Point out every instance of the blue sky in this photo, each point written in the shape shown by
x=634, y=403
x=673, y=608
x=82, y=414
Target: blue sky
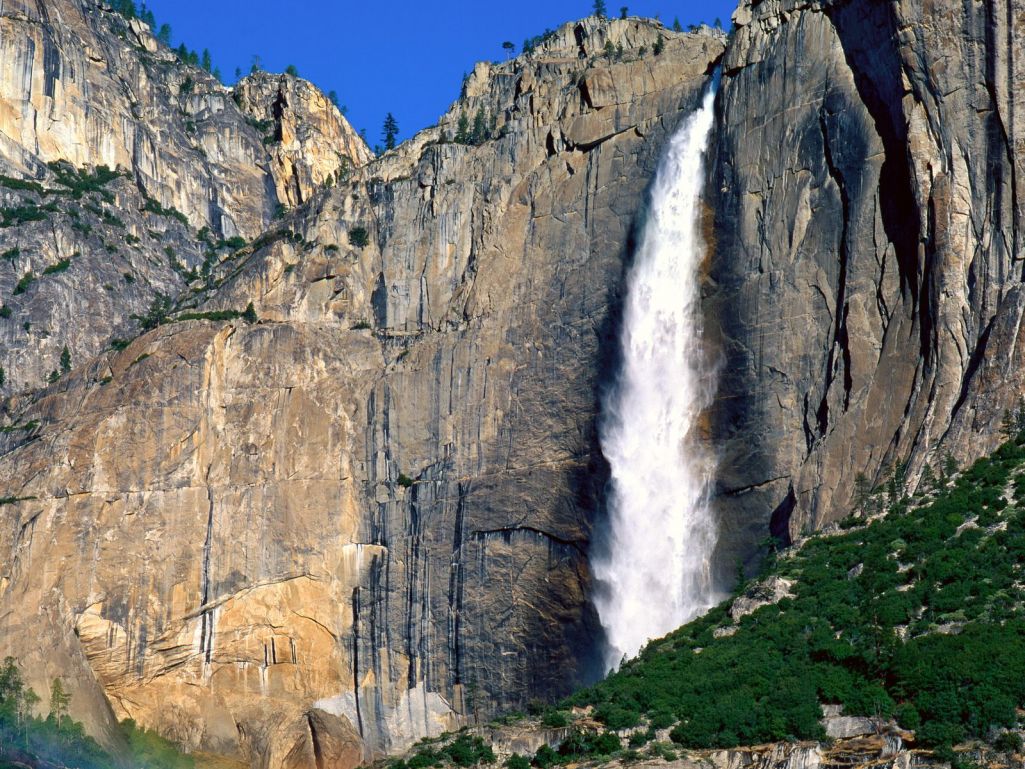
x=404, y=57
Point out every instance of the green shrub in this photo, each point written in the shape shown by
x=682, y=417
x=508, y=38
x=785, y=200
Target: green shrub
x=1008, y=742
x=21, y=184
x=24, y=283
x=516, y=761
x=466, y=750
x=5, y=311
x=404, y=481
x=60, y=266
x=545, y=757
x=10, y=217
x=359, y=237
x=82, y=182
x=554, y=719
x=424, y=758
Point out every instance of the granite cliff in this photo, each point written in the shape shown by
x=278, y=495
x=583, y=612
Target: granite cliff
x=867, y=277
x=364, y=518
x=360, y=513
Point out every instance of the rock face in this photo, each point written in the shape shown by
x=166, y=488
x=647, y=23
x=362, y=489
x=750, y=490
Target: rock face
x=365, y=518
x=866, y=283
x=80, y=83
x=310, y=141
x=83, y=87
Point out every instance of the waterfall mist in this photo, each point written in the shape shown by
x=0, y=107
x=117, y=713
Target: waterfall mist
x=655, y=571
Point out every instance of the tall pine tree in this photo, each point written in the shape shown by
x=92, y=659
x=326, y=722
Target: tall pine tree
x=390, y=131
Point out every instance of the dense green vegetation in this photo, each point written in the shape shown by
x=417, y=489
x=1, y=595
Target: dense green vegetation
x=80, y=182
x=916, y=615
x=465, y=750
x=27, y=738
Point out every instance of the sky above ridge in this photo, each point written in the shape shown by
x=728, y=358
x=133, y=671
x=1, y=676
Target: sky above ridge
x=402, y=57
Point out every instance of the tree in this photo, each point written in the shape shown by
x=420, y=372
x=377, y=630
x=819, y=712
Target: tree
x=676, y=25
x=479, y=132
x=207, y=61
x=164, y=34
x=928, y=478
x=659, y=46
x=249, y=316
x=462, y=129
x=3, y=376
x=390, y=131
x=65, y=360
x=717, y=23
x=238, y=74
x=257, y=65
x=332, y=96
x=510, y=48
x=862, y=491
x=29, y=700
x=599, y=8
x=949, y=465
x=1008, y=427
x=292, y=70
x=624, y=12
x=59, y=702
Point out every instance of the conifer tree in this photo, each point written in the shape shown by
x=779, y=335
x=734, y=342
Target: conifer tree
x=599, y=8
x=59, y=702
x=479, y=132
x=462, y=129
x=390, y=131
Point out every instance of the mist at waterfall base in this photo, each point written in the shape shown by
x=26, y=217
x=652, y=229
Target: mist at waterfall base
x=654, y=573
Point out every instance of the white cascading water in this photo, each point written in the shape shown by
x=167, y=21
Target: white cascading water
x=655, y=571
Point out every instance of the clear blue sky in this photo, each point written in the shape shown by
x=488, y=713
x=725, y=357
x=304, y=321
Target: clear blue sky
x=404, y=57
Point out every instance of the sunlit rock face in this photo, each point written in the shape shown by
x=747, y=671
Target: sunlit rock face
x=867, y=273
x=310, y=142
x=365, y=518
x=80, y=83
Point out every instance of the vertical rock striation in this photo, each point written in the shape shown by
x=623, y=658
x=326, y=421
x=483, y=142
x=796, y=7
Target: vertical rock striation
x=81, y=87
x=366, y=518
x=867, y=278
x=309, y=140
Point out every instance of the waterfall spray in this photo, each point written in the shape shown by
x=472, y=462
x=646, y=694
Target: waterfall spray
x=655, y=574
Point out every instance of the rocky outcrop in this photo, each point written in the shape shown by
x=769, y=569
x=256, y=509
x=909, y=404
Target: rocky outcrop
x=80, y=83
x=371, y=510
x=310, y=142
x=866, y=283
x=84, y=254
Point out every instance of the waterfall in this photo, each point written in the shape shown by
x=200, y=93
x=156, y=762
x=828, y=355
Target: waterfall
x=655, y=572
